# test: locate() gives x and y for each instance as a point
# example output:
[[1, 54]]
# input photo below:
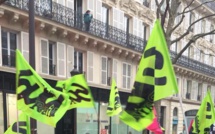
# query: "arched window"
[[175, 121]]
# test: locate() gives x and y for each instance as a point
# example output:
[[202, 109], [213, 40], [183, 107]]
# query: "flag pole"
[[185, 120]]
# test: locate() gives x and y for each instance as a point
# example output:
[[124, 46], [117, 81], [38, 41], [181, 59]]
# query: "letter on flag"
[[20, 127], [78, 90], [114, 106], [155, 126], [155, 79], [35, 97], [205, 117]]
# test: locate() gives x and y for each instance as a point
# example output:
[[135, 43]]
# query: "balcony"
[[72, 19]]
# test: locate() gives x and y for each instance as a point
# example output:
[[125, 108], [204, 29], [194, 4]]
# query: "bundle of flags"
[[38, 100], [204, 122]]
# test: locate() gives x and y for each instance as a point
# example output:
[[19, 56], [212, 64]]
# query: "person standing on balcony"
[[87, 20]]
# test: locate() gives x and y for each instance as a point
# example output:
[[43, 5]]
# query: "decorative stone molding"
[[14, 18], [42, 26], [129, 6]]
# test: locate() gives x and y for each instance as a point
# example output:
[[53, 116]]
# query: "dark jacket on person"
[[87, 18]]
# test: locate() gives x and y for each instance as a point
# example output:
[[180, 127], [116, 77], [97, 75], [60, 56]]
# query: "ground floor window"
[[87, 120], [11, 109], [1, 115]]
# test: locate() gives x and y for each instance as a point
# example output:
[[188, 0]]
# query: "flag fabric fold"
[[78, 90], [205, 118], [114, 106], [35, 97], [155, 126], [20, 127], [155, 79]]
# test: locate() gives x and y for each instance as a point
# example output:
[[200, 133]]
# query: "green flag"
[[78, 90], [114, 106], [205, 117], [20, 127], [35, 97], [155, 79]]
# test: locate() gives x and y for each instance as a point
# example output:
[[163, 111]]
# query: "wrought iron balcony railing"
[[70, 18]]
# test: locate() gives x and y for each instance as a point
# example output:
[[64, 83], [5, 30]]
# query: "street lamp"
[[74, 71]]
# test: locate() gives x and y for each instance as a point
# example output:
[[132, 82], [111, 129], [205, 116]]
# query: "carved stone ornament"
[[130, 5]]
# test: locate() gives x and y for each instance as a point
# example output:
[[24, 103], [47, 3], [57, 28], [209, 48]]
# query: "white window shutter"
[[129, 74], [44, 56], [90, 66], [98, 10], [194, 90], [204, 89], [115, 62], [124, 72], [207, 29], [135, 26], [183, 45], [0, 48], [90, 5], [153, 5], [25, 45], [70, 59], [185, 87], [196, 54], [70, 4], [61, 59], [187, 20], [121, 20], [199, 25], [104, 70], [115, 17], [140, 29]]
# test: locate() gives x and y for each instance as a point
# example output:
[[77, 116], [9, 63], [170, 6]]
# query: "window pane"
[[13, 41], [1, 115], [124, 69], [87, 120], [80, 62], [104, 119], [4, 39], [117, 126], [11, 108]]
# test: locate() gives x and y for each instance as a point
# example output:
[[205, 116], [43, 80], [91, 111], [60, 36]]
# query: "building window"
[[52, 58], [178, 17], [192, 19], [9, 45], [191, 52], [1, 115], [199, 97], [209, 88], [146, 3], [175, 121], [48, 57], [145, 32], [211, 36], [105, 20], [189, 85], [106, 70], [177, 80], [78, 61], [126, 80], [203, 26]]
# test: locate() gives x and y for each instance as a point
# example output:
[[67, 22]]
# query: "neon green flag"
[[20, 127], [78, 90], [114, 106], [205, 117], [35, 97], [155, 79]]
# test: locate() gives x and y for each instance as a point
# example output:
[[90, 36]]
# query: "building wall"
[[138, 15]]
